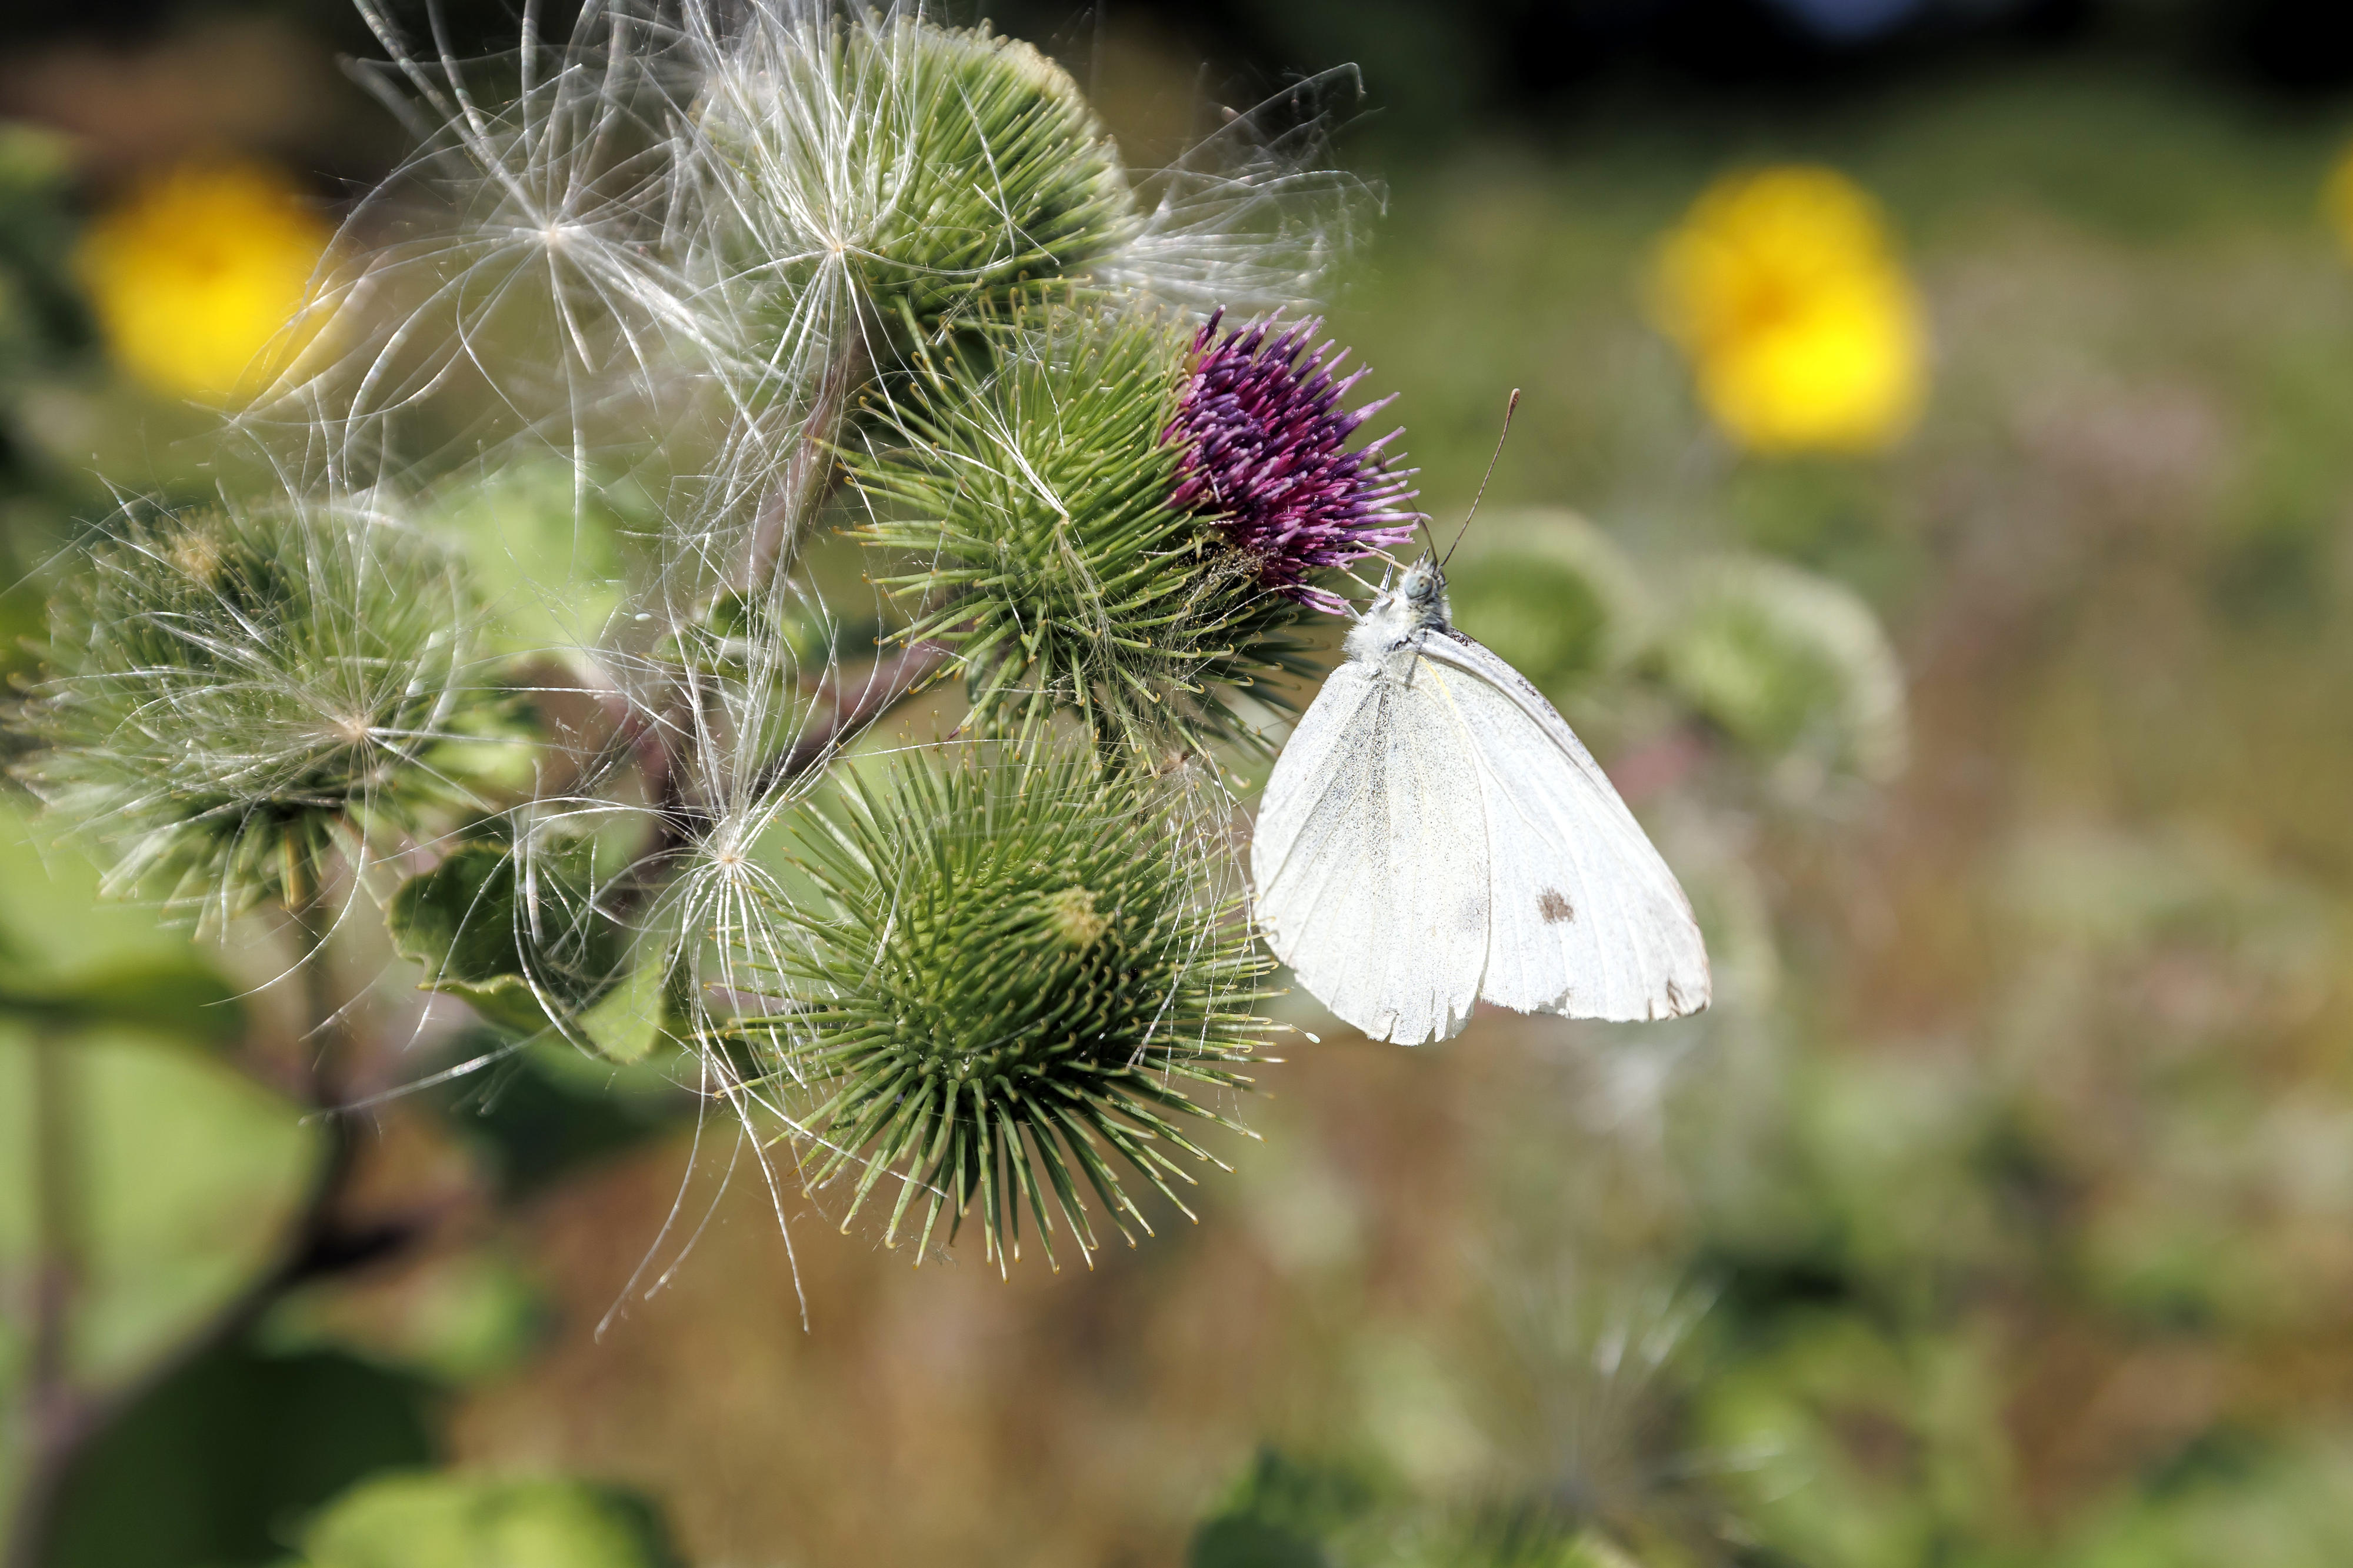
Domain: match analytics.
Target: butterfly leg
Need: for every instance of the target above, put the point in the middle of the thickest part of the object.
(1417, 638)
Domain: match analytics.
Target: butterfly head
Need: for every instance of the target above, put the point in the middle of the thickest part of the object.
(1400, 613)
(1423, 592)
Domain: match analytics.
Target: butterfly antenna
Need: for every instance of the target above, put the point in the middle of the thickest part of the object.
(1509, 408)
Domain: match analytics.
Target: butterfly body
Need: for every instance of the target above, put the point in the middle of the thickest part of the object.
(1434, 836)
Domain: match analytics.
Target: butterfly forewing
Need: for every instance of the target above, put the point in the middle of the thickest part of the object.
(1371, 877)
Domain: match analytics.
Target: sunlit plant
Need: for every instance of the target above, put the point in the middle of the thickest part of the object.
(1110, 986)
(239, 693)
(1127, 521)
(541, 638)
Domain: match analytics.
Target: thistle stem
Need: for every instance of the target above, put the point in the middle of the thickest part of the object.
(59, 1415)
(891, 681)
(807, 474)
(844, 711)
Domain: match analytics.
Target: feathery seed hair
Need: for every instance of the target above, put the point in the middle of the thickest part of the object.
(724, 256)
(230, 690)
(888, 173)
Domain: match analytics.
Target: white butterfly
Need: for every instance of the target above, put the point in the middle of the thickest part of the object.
(1434, 836)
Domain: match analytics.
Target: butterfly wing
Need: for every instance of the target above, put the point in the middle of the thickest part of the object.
(1371, 875)
(1586, 920)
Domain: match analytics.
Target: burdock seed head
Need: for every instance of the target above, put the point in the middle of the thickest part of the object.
(1013, 983)
(227, 691)
(887, 171)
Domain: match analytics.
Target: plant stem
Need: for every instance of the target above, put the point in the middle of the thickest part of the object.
(891, 681)
(57, 1414)
(846, 708)
(807, 474)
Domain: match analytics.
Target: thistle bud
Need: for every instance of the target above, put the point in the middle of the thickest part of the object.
(1015, 983)
(923, 171)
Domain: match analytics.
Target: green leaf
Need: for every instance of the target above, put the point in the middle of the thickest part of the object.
(67, 955)
(626, 1022)
(458, 920)
(161, 1181)
(525, 961)
(470, 1521)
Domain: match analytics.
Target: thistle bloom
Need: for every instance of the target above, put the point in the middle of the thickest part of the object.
(195, 275)
(1803, 330)
(738, 253)
(1035, 518)
(1264, 439)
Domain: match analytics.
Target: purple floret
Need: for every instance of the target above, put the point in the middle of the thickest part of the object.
(1263, 436)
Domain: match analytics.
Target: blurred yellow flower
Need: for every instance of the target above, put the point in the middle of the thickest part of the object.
(195, 274)
(1801, 326)
(2336, 199)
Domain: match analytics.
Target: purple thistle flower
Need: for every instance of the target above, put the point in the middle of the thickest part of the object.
(1263, 436)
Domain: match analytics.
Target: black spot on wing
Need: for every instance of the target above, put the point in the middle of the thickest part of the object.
(1555, 909)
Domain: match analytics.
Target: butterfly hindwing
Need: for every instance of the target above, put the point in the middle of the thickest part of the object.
(1372, 879)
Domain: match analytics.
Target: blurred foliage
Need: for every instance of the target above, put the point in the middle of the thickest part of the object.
(1555, 595)
(1287, 1515)
(151, 1258)
(220, 1463)
(451, 1521)
(66, 957)
(2016, 1164)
